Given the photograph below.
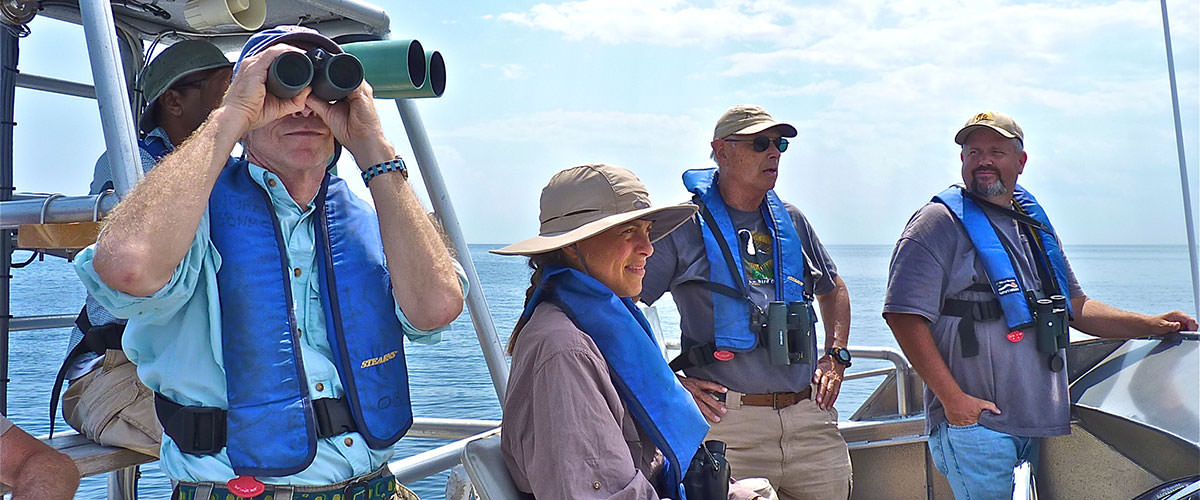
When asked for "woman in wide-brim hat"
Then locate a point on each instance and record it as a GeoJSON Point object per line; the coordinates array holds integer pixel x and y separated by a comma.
{"type": "Point", "coordinates": [592, 410]}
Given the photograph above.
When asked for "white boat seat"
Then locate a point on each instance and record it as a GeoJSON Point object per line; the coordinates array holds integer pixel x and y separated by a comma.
{"type": "Point", "coordinates": [485, 466]}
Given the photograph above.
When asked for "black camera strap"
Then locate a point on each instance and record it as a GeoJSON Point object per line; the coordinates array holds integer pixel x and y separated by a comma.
{"type": "Point", "coordinates": [703, 354]}
{"type": "Point", "coordinates": [1040, 258]}
{"type": "Point", "coordinates": [726, 252]}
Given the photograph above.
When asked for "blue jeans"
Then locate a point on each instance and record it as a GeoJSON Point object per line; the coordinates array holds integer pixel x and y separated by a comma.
{"type": "Point", "coordinates": [978, 461]}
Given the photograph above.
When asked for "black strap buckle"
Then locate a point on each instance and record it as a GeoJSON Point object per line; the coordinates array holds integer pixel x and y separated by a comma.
{"type": "Point", "coordinates": [197, 430]}
{"type": "Point", "coordinates": [333, 417]}
{"type": "Point", "coordinates": [358, 489]}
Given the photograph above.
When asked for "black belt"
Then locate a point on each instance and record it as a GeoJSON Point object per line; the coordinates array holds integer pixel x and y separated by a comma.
{"type": "Point", "coordinates": [378, 485]}
{"type": "Point", "coordinates": [201, 430]}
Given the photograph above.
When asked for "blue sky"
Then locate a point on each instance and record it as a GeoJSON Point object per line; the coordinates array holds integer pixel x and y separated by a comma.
{"type": "Point", "coordinates": [877, 90]}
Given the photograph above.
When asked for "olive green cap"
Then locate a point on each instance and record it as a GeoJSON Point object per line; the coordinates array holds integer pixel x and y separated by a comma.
{"type": "Point", "coordinates": [171, 66]}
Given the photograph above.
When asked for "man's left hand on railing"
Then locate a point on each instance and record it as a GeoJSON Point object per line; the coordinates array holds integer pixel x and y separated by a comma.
{"type": "Point", "coordinates": [827, 380]}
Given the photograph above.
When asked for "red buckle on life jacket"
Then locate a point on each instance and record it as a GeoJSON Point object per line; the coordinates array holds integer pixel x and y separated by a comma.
{"type": "Point", "coordinates": [245, 486]}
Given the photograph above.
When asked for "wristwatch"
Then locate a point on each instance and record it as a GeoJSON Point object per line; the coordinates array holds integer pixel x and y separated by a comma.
{"type": "Point", "coordinates": [842, 356]}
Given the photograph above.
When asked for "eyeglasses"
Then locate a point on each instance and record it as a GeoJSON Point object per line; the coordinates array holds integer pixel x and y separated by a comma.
{"type": "Point", "coordinates": [762, 142]}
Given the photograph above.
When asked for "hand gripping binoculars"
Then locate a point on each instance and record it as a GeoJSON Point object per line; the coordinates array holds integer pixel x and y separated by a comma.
{"type": "Point", "coordinates": [332, 76]}
{"type": "Point", "coordinates": [396, 69]}
{"type": "Point", "coordinates": [788, 332]}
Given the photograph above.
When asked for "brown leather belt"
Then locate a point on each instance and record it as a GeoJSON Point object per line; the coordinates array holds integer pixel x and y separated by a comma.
{"type": "Point", "coordinates": [776, 400]}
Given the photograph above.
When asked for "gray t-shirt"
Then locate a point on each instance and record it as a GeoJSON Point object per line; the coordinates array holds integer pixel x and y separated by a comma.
{"type": "Point", "coordinates": [679, 265]}
{"type": "Point", "coordinates": [5, 424]}
{"type": "Point", "coordinates": [935, 260]}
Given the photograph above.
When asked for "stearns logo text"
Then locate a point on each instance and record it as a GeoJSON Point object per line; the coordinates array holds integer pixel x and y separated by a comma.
{"type": "Point", "coordinates": [380, 360]}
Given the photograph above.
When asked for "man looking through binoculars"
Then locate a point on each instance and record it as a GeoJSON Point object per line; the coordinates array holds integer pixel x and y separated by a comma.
{"type": "Point", "coordinates": [257, 287]}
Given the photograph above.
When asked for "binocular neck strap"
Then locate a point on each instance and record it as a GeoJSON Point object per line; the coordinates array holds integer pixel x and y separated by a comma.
{"type": "Point", "coordinates": [725, 251]}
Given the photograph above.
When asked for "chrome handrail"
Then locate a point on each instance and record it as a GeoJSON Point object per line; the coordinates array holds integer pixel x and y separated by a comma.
{"type": "Point", "coordinates": [428, 463]}
{"type": "Point", "coordinates": [29, 210]}
{"type": "Point", "coordinates": [900, 366]}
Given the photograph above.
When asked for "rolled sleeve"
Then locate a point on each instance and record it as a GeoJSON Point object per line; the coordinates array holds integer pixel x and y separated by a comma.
{"type": "Point", "coordinates": [430, 337]}
{"type": "Point", "coordinates": [162, 304]}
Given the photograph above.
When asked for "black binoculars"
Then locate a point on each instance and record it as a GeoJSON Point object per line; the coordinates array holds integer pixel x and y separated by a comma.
{"type": "Point", "coordinates": [788, 332]}
{"type": "Point", "coordinates": [1051, 321]}
{"type": "Point", "coordinates": [707, 477]}
{"type": "Point", "coordinates": [332, 76]}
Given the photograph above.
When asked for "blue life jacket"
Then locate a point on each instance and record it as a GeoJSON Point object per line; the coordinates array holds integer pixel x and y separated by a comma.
{"type": "Point", "coordinates": [731, 325]}
{"type": "Point", "coordinates": [997, 263]}
{"type": "Point", "coordinates": [271, 427]}
{"type": "Point", "coordinates": [660, 405]}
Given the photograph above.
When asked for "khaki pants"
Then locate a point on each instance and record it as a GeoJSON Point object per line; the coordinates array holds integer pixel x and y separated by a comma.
{"type": "Point", "coordinates": [798, 448]}
{"type": "Point", "coordinates": [112, 407]}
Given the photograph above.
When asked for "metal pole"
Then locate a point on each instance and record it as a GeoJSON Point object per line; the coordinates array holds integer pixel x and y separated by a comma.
{"type": "Point", "coordinates": [485, 330]}
{"type": "Point", "coordinates": [116, 118]}
{"type": "Point", "coordinates": [1183, 176]}
{"type": "Point", "coordinates": [9, 54]}
{"type": "Point", "coordinates": [61, 209]}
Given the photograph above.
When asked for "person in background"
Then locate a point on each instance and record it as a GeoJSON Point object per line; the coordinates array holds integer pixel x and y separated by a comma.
{"type": "Point", "coordinates": [592, 410]}
{"type": "Point", "coordinates": [749, 248]}
{"type": "Point", "coordinates": [104, 400]}
{"type": "Point", "coordinates": [979, 296]}
{"type": "Point", "coordinates": [267, 304]}
{"type": "Point", "coordinates": [34, 470]}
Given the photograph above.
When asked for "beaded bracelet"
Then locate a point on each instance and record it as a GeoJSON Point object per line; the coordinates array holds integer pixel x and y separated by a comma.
{"type": "Point", "coordinates": [394, 165]}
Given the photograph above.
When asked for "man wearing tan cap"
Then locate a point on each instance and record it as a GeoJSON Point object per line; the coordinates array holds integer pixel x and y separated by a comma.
{"type": "Point", "coordinates": [979, 298]}
{"type": "Point", "coordinates": [736, 272]}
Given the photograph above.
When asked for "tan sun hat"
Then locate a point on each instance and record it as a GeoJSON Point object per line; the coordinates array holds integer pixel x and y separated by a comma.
{"type": "Point", "coordinates": [1003, 124]}
{"type": "Point", "coordinates": [748, 119]}
{"type": "Point", "coordinates": [581, 202]}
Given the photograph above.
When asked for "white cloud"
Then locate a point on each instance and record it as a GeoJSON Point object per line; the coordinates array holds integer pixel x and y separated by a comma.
{"type": "Point", "coordinates": [770, 36]}
{"type": "Point", "coordinates": [579, 127]}
{"type": "Point", "coordinates": [513, 71]}
{"type": "Point", "coordinates": [507, 71]}
{"type": "Point", "coordinates": [665, 22]}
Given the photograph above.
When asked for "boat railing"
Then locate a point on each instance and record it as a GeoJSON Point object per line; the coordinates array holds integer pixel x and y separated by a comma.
{"type": "Point", "coordinates": [900, 368]}
{"type": "Point", "coordinates": [121, 465]}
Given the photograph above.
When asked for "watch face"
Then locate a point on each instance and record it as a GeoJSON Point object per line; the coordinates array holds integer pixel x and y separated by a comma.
{"type": "Point", "coordinates": [841, 355]}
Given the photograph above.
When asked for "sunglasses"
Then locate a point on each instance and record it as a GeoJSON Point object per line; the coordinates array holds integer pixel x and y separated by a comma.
{"type": "Point", "coordinates": [762, 142]}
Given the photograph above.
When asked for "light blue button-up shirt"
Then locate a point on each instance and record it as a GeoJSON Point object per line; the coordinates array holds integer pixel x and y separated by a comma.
{"type": "Point", "coordinates": [174, 337]}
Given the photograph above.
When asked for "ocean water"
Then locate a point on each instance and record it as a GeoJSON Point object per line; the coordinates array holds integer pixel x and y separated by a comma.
{"type": "Point", "coordinates": [451, 379]}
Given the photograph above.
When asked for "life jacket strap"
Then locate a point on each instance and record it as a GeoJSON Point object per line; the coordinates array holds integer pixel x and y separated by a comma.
{"type": "Point", "coordinates": [697, 355]}
{"type": "Point", "coordinates": [202, 430]}
{"type": "Point", "coordinates": [971, 311]}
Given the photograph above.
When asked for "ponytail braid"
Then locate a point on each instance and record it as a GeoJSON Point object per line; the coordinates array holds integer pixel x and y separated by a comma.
{"type": "Point", "coordinates": [537, 262]}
